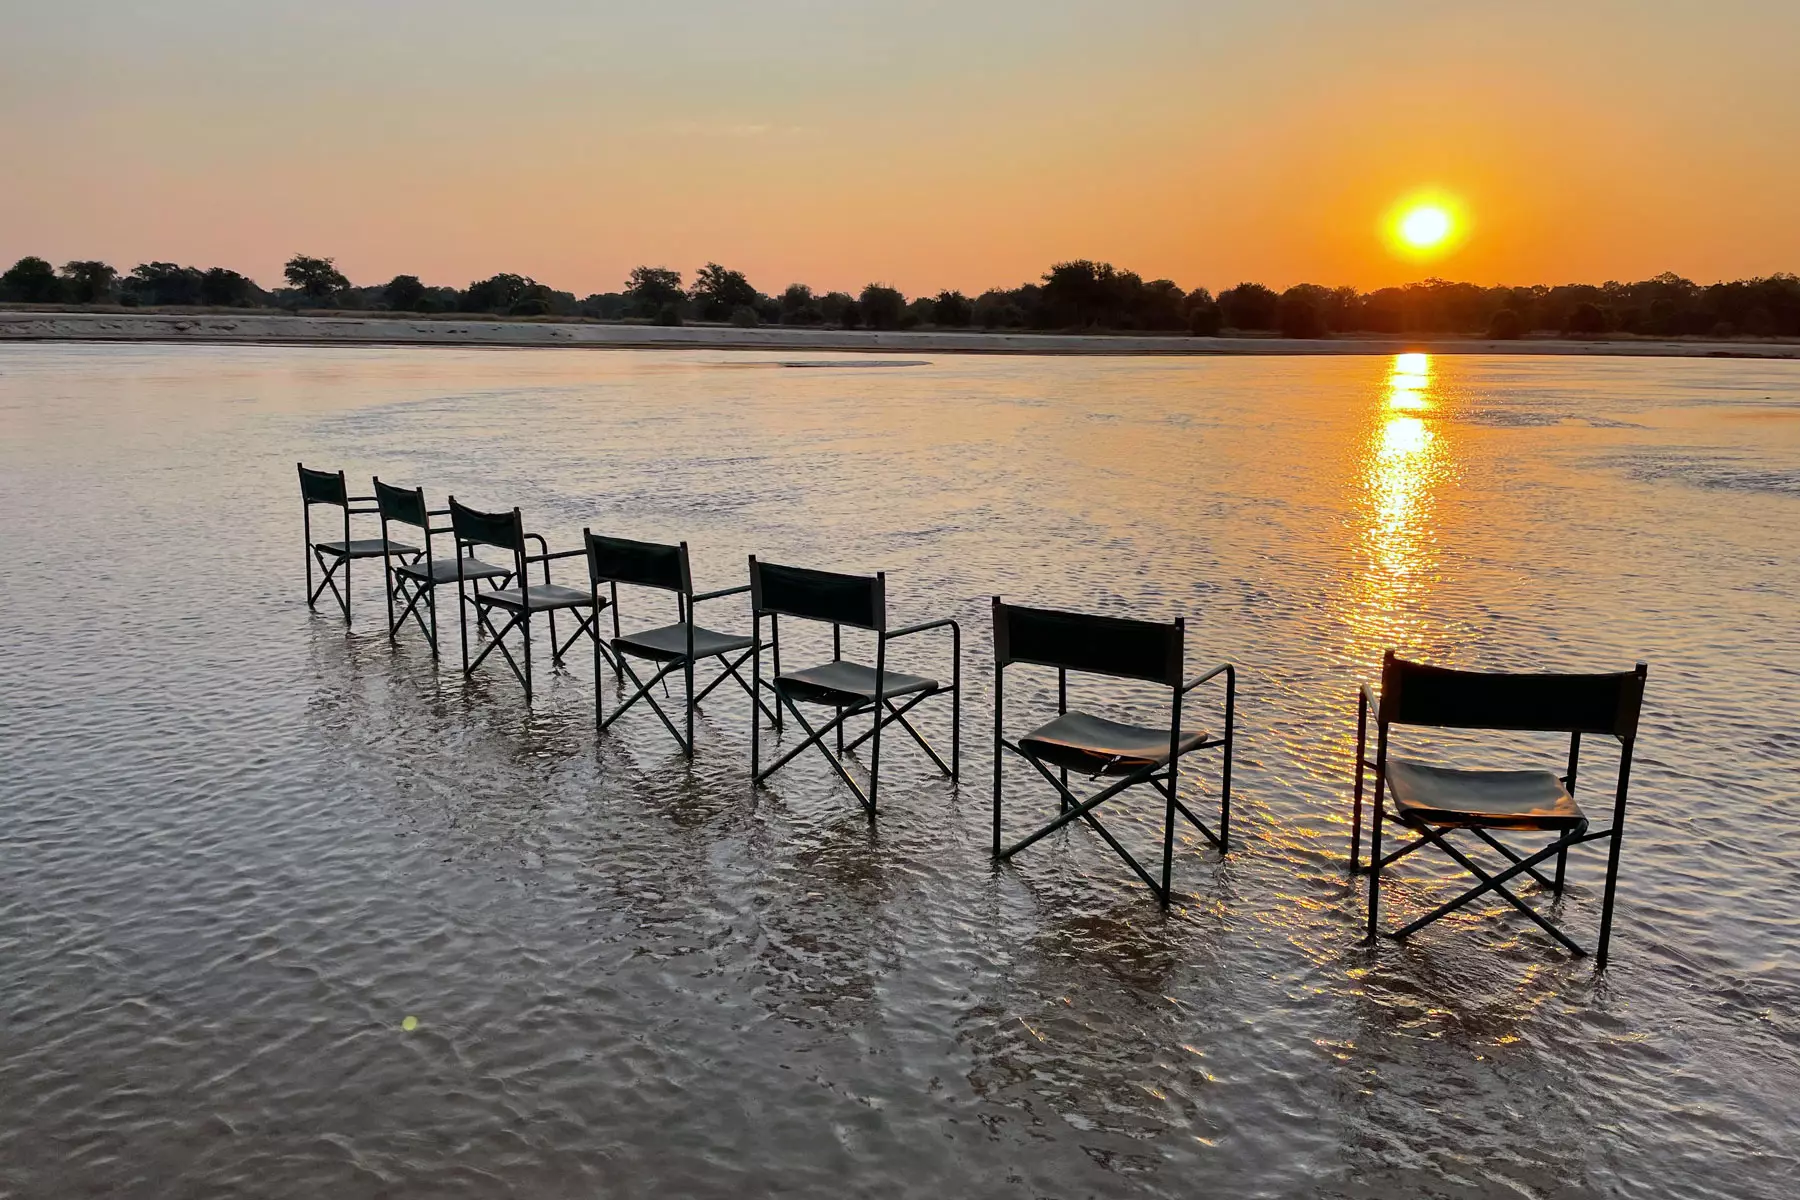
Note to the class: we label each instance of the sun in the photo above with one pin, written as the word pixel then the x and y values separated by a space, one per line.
pixel 1425 226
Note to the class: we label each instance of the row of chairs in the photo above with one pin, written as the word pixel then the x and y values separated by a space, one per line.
pixel 1430 802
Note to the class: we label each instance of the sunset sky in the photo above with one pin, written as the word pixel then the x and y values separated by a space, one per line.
pixel 921 143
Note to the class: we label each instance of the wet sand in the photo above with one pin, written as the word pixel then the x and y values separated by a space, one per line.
pixel 282 329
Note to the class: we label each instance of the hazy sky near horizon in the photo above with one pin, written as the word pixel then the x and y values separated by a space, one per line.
pixel 927 144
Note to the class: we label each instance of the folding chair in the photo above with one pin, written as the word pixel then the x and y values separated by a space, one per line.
pixel 414 578
pixel 329 487
pixel 506 531
pixel 1133 754
pixel 849 688
pixel 1434 801
pixel 679 647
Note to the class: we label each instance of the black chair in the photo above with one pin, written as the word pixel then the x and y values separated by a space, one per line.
pixel 330 487
pixel 1433 802
pixel 1078 741
pixel 679 647
pixel 506 531
pixel 851 688
pixel 414 578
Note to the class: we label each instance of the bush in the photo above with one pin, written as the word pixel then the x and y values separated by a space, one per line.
pixel 952 310
pixel 1506 325
pixel 1205 320
pixel 881 306
pixel 1298 317
pixel 1586 318
pixel 668 314
pixel 744 317
pixel 531 306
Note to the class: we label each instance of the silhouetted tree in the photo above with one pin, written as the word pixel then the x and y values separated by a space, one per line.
pixel 1586 318
pixel 669 314
pixel 1297 313
pixel 744 317
pixel 317 278
pixel 32 281
pixel 161 283
pixel 718 292
pixel 404 293
pixel 881 306
pixel 1506 325
pixel 1249 306
pixel 952 310
pixel 1081 293
pixel 225 288
pixel 88 282
pixel 840 308
pixel 1205 320
pixel 652 289
pixel 799 306
pixel 996 309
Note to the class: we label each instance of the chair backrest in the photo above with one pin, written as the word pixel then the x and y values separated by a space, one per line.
pixel 641 564
pixel 406 505
pixel 1118 646
pixel 1417 694
pixel 506 530
pixel 859 600
pixel 323 487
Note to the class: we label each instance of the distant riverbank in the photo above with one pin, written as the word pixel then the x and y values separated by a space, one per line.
pixel 284 329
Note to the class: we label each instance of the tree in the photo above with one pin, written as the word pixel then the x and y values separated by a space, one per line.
pixel 744 317
pixel 404 293
pixel 31 280
pixel 162 283
pixel 1506 325
pixel 1249 306
pixel 500 293
pixel 1082 293
pixel 718 292
pixel 317 278
pixel 840 308
pixel 1586 318
pixel 89 282
pixel 1205 320
pixel 799 306
pixel 1297 312
pixel 952 310
pixel 651 289
pixel 881 306
pixel 227 289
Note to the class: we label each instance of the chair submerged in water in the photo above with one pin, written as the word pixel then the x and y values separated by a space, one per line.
pixel 506 531
pixel 1434 802
pixel 850 688
pixel 416 577
pixel 679 647
pixel 1150 651
pixel 330 487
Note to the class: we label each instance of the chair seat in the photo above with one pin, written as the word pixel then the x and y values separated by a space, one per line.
pixel 1427 795
pixel 669 643
pixel 848 683
pixel 443 570
pixel 363 548
pixel 1084 742
pixel 537 597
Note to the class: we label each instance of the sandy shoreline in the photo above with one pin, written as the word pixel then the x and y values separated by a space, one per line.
pixel 273 329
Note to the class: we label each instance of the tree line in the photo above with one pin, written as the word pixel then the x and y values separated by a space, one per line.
pixel 1072 296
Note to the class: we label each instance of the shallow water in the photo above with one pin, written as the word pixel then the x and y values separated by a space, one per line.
pixel 240 845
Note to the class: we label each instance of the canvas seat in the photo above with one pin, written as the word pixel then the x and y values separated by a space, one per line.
pixel 1083 742
pixel 538 597
pixel 844 683
pixel 1134 755
pixel 851 689
pixel 365 548
pixel 1530 800
pixel 680 647
pixel 1437 804
pixel 520 602
pixel 448 570
pixel 669 643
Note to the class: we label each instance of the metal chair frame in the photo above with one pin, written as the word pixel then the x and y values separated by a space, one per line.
pixel 407 507
pixel 614 561
pixel 331 487
pixel 1149 651
pixel 506 531
pixel 1416 694
pixel 860 602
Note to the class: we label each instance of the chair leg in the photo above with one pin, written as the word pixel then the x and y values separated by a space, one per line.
pixel 1168 848
pixel 689 672
pixel 525 636
pixel 1375 861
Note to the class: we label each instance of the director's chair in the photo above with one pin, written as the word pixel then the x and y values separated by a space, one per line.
pixel 414 577
pixel 330 487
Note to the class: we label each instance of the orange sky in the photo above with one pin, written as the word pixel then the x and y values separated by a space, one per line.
pixel 925 144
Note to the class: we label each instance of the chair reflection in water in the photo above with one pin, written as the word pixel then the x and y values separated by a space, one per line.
pixel 850 688
pixel 1133 755
pixel 506 531
pixel 1433 802
pixel 330 488
pixel 679 647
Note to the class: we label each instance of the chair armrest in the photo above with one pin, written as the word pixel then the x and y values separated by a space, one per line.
pixel 730 591
pixel 441 529
pixel 437 512
pixel 360 499
pixel 1369 699
pixel 1225 669
pixel 531 558
pixel 362 512
pixel 921 627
